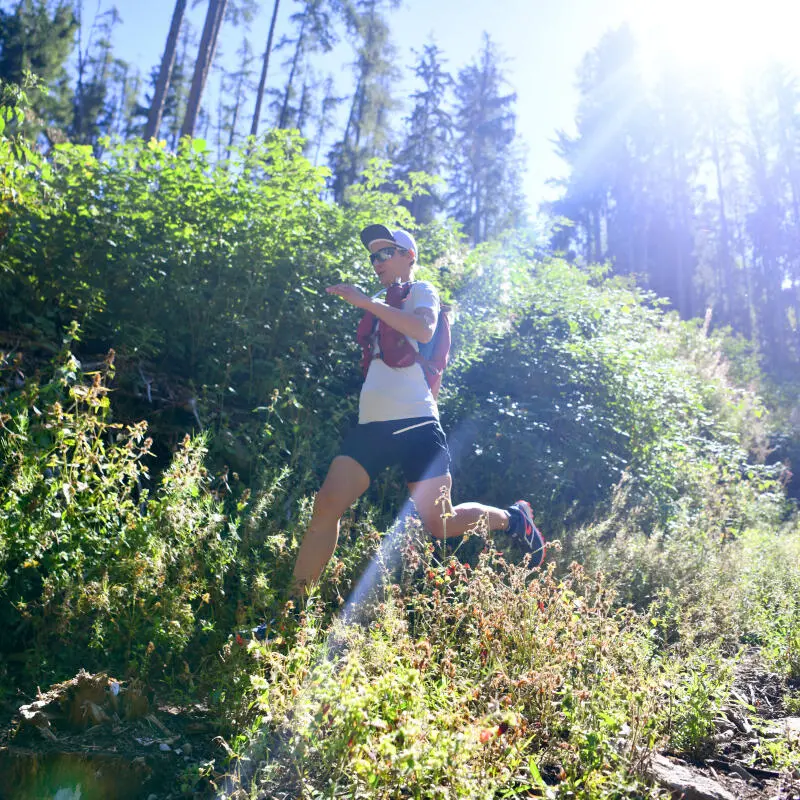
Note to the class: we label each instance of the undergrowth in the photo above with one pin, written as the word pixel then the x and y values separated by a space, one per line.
pixel 460 680
pixel 416 670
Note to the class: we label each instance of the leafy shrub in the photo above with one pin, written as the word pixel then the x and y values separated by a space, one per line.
pixel 208 281
pixel 86 554
pixel 695 700
pixel 467 680
pixel 580 384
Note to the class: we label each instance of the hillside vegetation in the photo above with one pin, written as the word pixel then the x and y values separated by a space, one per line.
pixel 174 382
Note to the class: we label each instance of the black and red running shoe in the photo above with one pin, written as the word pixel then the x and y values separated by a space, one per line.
pixel 521 527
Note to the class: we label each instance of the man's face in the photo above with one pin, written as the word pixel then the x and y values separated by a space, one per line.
pixel 390 262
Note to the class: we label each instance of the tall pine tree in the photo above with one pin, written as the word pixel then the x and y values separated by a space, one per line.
pixel 429 139
pixel 38 36
pixel 91 117
pixel 486 169
pixel 165 72
pixel 315 33
pixel 215 15
pixel 264 69
pixel 367 134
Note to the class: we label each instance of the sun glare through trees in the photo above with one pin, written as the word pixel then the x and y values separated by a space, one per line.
pixel 717 42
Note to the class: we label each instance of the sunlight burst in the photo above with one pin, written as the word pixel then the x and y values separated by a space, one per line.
pixel 721 42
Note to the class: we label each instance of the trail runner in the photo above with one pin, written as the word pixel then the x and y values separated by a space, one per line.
pixel 398 423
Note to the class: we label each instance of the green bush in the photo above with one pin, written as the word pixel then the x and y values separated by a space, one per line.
pixel 87 554
pixel 576 384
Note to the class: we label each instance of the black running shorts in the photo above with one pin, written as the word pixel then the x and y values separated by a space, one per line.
pixel 418 445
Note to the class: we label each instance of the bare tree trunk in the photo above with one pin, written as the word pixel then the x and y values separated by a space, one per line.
pixel 205 55
pixel 364 79
pixel 264 67
pixel 295 61
pixel 237 105
pixel 326 100
pixel 723 257
pixel 179 91
pixel 219 119
pixel 302 108
pixel 165 73
pixel 682 270
pixel 77 121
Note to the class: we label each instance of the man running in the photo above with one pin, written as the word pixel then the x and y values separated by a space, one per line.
pixel 398 423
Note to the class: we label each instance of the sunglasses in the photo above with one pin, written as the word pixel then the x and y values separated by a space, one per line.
pixel 384 254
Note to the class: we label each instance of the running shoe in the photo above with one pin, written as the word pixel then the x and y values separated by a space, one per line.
pixel 522 529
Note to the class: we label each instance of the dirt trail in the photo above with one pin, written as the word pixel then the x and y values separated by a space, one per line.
pixel 753 726
pixel 96 738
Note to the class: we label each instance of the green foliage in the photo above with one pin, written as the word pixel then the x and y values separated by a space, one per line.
pixel 770 589
pixel 430 131
pixel 563 383
pixel 569 384
pixel 239 253
pixel 485 184
pixel 366 135
pixel 466 681
pixel 23 172
pixel 654 172
pixel 694 700
pixel 86 554
pixel 37 37
pixel 623 425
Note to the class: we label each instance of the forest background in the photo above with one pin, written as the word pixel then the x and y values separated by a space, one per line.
pixel 176 381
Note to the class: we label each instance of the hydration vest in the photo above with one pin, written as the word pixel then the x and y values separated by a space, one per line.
pixel 395 348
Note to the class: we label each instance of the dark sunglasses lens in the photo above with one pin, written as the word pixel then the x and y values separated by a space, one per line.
pixel 384 254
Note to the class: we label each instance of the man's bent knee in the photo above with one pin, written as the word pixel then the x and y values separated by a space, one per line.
pixel 328 506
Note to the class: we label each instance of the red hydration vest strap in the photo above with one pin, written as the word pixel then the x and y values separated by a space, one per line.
pixel 395 348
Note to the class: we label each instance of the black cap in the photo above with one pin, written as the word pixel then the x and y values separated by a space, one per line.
pixel 373 232
pixel 378 233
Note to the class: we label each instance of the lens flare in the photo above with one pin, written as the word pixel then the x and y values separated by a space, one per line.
pixel 721 43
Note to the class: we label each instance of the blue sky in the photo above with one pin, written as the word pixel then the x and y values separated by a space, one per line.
pixel 544 41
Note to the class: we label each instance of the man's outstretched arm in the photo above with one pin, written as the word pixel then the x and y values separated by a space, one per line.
pixel 419 324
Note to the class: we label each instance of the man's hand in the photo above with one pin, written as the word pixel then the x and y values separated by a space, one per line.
pixel 419 325
pixel 350 294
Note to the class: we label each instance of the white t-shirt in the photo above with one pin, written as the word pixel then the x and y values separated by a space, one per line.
pixel 400 392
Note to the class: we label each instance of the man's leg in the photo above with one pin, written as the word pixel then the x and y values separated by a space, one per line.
pixel 345 482
pixel 517 520
pixel 425 494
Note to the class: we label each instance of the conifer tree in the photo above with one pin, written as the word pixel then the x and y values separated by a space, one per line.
pixel 366 134
pixel 237 85
pixel 165 72
pixel 633 162
pixel 178 94
pixel 696 193
pixel 671 165
pixel 264 69
pixel 177 91
pixel 91 116
pixel 205 57
pixel 325 118
pixel 485 184
pixel 428 142
pixel 602 191
pixel 787 95
pixel 235 12
pixel 38 36
pixel 315 33
pixel 125 86
pixel 769 145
